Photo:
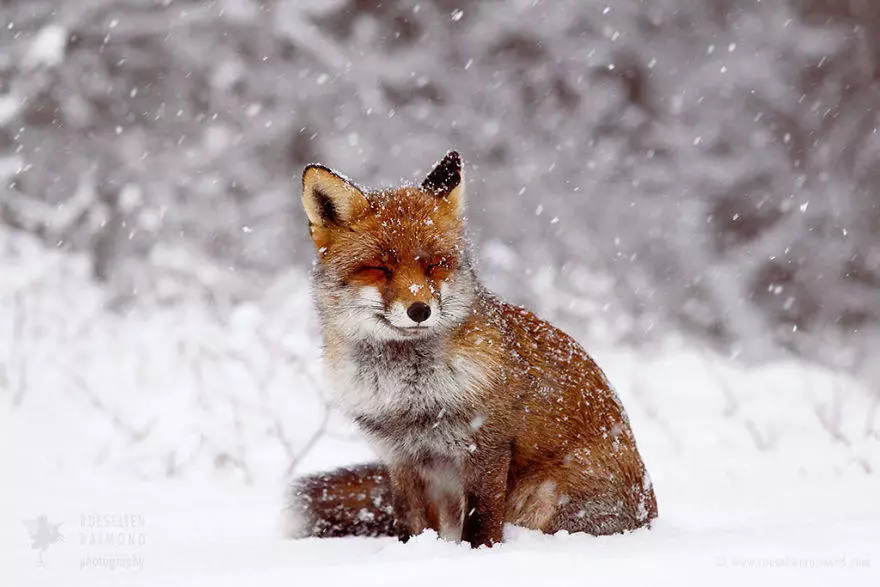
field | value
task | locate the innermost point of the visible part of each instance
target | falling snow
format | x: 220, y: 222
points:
x: 689, y: 189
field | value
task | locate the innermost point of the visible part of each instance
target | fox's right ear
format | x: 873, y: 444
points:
x: 329, y: 198
x: 446, y: 180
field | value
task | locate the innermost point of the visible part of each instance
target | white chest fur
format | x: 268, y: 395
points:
x: 412, y: 399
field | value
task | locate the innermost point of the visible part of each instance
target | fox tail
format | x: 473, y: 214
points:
x: 351, y: 501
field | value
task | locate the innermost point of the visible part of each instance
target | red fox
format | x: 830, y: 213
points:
x: 481, y: 412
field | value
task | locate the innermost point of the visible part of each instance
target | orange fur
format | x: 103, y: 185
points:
x: 490, y: 416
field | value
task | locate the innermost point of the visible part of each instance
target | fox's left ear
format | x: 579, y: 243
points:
x: 447, y: 180
x: 329, y: 198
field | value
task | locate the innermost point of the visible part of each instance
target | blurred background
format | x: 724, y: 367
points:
x: 700, y: 176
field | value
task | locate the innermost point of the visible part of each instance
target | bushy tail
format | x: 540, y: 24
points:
x: 351, y: 501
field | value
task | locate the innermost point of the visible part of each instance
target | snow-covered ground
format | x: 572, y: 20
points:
x: 160, y: 442
x: 199, y: 534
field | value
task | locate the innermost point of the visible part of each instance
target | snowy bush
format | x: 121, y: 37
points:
x: 193, y: 389
x: 636, y: 170
x: 716, y: 159
x: 164, y: 390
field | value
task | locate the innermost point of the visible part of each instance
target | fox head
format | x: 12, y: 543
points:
x: 392, y: 264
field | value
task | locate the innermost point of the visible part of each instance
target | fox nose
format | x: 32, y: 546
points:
x: 419, y: 311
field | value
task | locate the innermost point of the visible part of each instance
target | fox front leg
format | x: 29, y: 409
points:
x: 410, y: 505
x: 485, y: 492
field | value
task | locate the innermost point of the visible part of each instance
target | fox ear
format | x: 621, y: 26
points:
x: 329, y: 198
x: 447, y: 180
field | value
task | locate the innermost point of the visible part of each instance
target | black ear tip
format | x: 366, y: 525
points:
x: 446, y: 175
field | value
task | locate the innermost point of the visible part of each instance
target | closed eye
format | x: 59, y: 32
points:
x: 383, y: 270
x: 441, y: 268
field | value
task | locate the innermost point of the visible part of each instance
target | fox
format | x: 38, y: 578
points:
x: 481, y: 413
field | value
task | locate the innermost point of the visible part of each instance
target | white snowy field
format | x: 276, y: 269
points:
x: 152, y: 448
x: 200, y: 534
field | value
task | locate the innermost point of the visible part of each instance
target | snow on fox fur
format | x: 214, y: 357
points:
x: 481, y: 412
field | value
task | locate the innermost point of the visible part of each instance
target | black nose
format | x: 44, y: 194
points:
x: 419, y: 311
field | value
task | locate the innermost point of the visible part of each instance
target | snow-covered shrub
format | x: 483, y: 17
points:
x: 716, y: 159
